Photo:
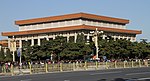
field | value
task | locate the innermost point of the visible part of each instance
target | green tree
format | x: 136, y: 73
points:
x: 143, y: 50
x: 78, y: 50
x: 27, y: 52
x: 123, y: 49
x: 85, y: 50
x: 44, y: 52
x: 2, y: 56
x: 70, y: 52
x: 71, y: 39
x: 103, y: 47
x: 114, y: 49
x: 9, y: 56
x: 60, y: 49
x: 148, y: 49
x: 81, y: 38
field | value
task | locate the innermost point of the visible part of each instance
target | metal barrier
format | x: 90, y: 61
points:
x: 59, y: 67
x: 0, y: 69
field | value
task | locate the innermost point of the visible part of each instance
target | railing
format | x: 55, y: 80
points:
x: 59, y: 67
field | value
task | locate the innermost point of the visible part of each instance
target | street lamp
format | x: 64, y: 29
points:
x: 13, y: 47
x: 95, y: 34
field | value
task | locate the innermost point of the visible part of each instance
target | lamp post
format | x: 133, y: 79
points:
x: 95, y: 34
x: 13, y: 47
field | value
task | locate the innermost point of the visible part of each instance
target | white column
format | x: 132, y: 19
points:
x: 9, y: 43
x: 123, y: 37
x: 134, y: 39
x: 119, y: 37
x: 53, y: 37
x: 104, y: 36
x: 32, y: 41
x: 88, y: 37
x: 75, y: 37
x: 39, y: 41
x: 20, y: 43
x: 68, y: 37
x: 26, y: 39
x: 5, y: 49
x: 47, y: 38
x: 114, y: 38
x: 128, y: 37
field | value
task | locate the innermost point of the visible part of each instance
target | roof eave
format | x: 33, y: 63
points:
x: 71, y: 16
x: 69, y: 29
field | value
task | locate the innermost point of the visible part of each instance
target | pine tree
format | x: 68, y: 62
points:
x: 2, y: 55
x: 9, y: 56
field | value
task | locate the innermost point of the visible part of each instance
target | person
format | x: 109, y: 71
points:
x: 6, y: 65
x: 49, y: 62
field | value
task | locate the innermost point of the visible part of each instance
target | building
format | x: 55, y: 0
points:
x: 4, y: 43
x: 69, y: 25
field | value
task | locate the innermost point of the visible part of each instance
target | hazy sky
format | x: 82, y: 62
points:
x: 137, y: 11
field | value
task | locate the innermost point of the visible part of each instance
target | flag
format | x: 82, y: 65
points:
x: 18, y: 52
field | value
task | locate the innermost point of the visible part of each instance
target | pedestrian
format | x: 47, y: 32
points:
x: 6, y: 65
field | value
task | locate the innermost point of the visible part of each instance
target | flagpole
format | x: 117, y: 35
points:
x: 19, y: 53
x: 13, y: 48
x: 20, y: 56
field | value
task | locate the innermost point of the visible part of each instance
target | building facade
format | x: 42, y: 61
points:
x: 69, y: 25
x: 4, y: 45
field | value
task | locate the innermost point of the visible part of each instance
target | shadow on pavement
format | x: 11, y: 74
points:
x: 121, y: 79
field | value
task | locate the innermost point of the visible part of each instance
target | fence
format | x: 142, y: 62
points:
x: 59, y: 67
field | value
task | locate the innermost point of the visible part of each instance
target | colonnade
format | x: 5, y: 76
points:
x: 67, y: 35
